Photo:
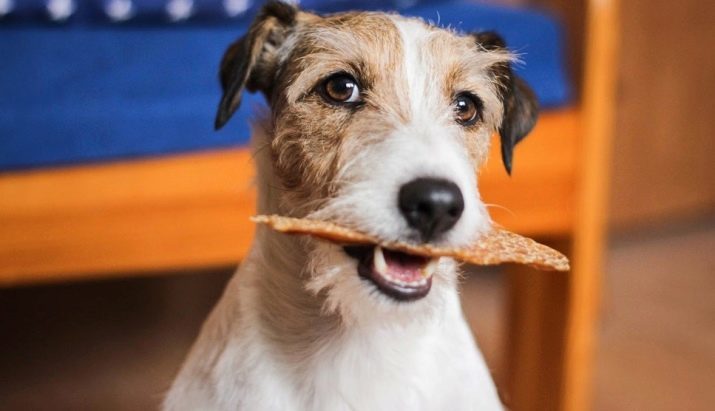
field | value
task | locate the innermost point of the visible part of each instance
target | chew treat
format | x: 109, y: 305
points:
x: 494, y: 247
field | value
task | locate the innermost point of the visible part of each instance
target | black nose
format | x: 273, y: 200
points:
x: 430, y: 205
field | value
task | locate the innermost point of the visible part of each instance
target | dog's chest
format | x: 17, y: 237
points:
x: 382, y: 374
x: 416, y: 372
x: 429, y: 367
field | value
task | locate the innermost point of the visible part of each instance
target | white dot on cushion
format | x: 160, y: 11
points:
x: 60, y: 9
x: 119, y: 10
x: 6, y: 7
x: 236, y: 7
x: 179, y: 9
x: 406, y: 3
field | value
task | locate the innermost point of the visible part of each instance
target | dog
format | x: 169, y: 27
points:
x: 377, y: 122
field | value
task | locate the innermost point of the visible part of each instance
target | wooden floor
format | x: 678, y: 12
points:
x: 657, y: 339
x: 115, y: 344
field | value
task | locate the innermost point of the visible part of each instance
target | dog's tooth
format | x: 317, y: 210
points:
x: 378, y: 260
x: 430, y: 268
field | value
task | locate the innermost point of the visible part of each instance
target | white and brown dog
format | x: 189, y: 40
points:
x: 378, y: 122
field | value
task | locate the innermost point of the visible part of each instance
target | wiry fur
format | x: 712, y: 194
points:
x: 297, y: 328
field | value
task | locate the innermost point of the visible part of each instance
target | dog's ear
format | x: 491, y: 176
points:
x: 520, y: 105
x: 250, y: 62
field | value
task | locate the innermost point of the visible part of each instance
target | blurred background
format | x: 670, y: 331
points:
x: 122, y: 215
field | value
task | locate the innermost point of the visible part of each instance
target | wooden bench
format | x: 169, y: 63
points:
x: 178, y: 212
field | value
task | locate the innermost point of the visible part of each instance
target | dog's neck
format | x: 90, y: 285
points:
x: 289, y: 315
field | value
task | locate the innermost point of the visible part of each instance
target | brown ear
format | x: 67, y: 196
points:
x: 248, y: 62
x: 521, y: 108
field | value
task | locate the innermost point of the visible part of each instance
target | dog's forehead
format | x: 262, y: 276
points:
x: 359, y: 38
x: 367, y: 34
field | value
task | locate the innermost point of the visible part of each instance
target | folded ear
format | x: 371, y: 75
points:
x: 521, y: 108
x: 521, y: 111
x: 250, y: 62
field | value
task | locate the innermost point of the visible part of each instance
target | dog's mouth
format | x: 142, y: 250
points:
x: 402, y: 276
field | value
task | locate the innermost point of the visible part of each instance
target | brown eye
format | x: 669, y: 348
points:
x: 341, y: 88
x: 467, y: 109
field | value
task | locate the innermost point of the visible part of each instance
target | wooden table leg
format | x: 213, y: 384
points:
x: 536, y: 336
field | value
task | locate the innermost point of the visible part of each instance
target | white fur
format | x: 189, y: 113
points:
x: 379, y: 354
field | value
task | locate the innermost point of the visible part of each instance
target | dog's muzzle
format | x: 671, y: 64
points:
x: 431, y: 207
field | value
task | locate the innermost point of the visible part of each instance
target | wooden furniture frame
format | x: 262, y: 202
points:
x: 192, y: 210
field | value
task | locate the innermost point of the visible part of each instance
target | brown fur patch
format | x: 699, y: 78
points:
x: 310, y: 135
x: 457, y: 61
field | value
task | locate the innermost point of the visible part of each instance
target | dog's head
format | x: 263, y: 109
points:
x: 379, y: 122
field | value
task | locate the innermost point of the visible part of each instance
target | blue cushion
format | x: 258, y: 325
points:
x: 168, y: 11
x: 78, y: 93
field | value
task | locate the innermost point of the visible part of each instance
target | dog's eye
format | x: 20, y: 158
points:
x: 467, y: 109
x: 341, y: 88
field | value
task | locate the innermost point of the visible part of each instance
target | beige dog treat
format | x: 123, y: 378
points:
x: 494, y: 247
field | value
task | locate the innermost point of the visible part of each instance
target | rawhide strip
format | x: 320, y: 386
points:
x: 494, y: 247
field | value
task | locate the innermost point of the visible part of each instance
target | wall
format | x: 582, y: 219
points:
x: 664, y: 148
x: 664, y: 160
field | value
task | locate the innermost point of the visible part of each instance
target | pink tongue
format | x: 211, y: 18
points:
x: 404, y: 267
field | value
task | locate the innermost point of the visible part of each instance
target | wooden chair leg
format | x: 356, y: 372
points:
x: 536, y: 330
